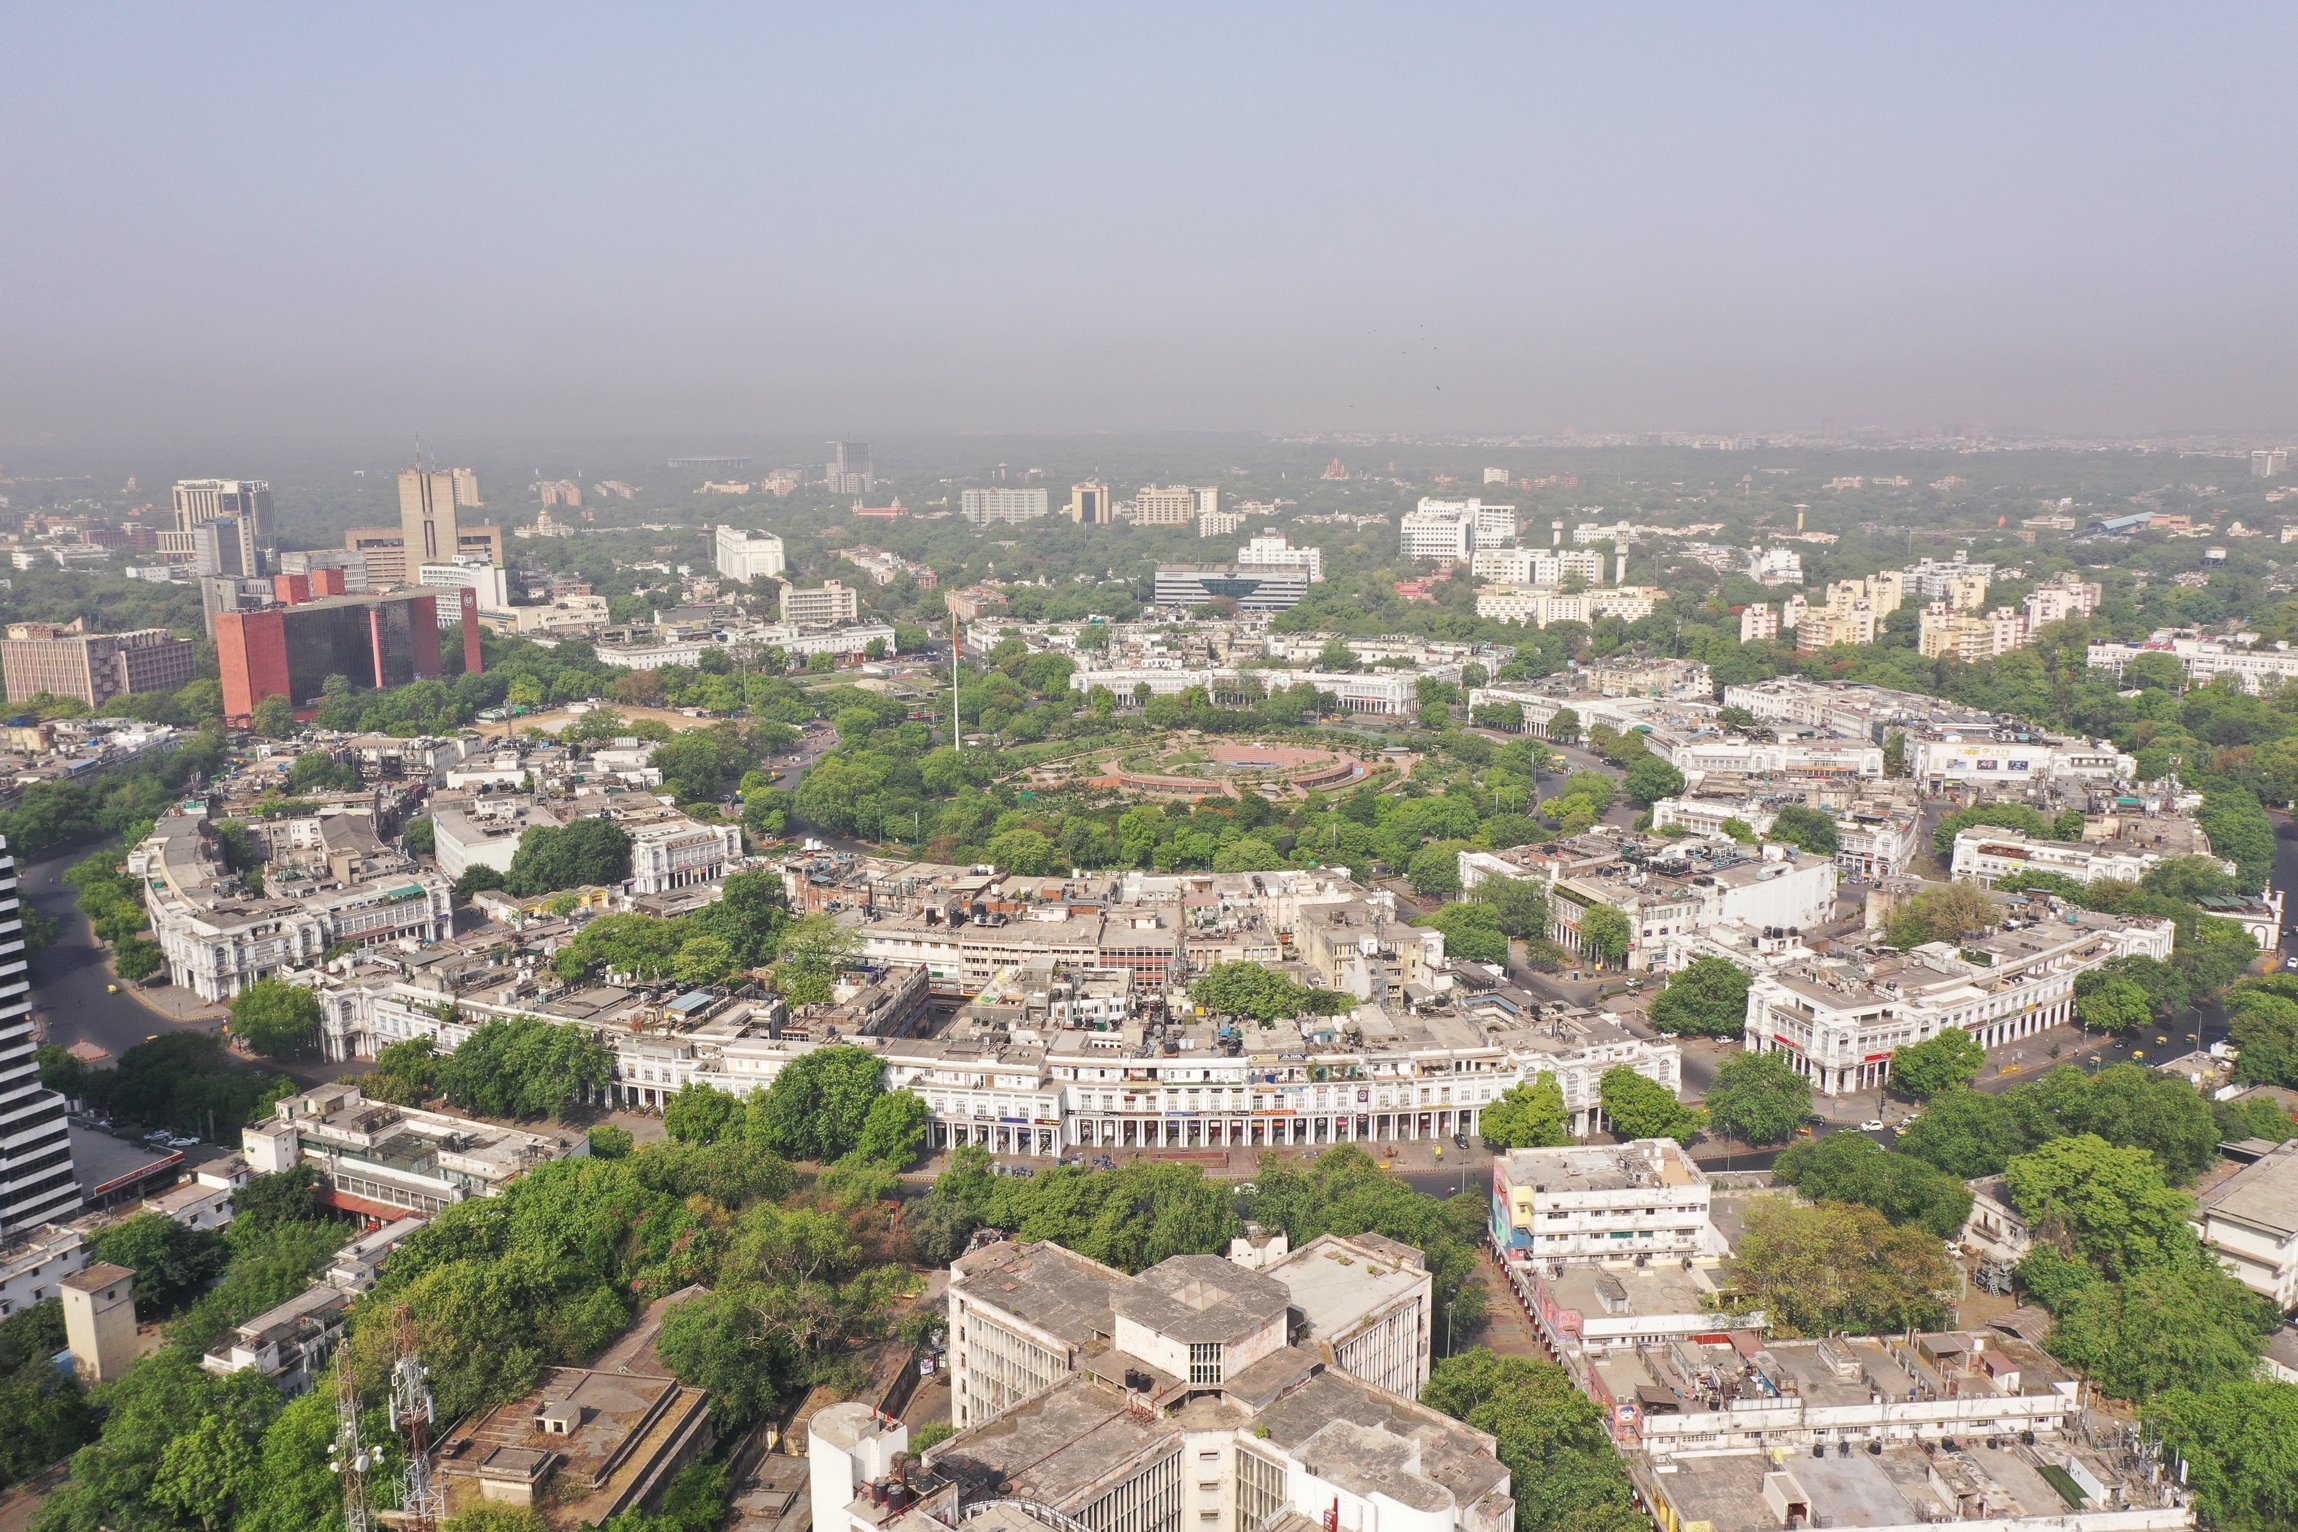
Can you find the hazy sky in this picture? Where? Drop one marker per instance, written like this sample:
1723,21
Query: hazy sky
877,219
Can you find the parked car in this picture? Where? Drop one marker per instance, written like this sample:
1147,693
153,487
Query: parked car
1872,1125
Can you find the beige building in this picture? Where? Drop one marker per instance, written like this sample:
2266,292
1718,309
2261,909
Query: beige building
825,607
1949,633
1156,507
427,516
1090,505
38,657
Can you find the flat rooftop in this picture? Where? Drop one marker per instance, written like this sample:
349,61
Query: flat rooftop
1057,1290
1336,1283
1202,1298
2263,1194
1600,1167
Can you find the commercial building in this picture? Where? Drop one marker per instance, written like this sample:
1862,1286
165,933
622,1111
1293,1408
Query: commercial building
1775,566
1984,853
1213,521
428,531
740,555
1090,505
2008,756
328,880
1255,588
1444,530
93,668
2202,660
1642,1201
1841,1020
1539,606
290,651
1537,566
382,1162
490,585
1155,506
1271,551
1003,507
1687,888
37,1182
823,607
246,502
849,471
381,552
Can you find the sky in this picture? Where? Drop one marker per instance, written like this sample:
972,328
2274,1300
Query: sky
869,219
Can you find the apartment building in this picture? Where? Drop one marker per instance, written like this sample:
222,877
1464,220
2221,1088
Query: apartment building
1775,566
1688,888
1270,550
1155,506
2250,1222
1948,633
1841,1020
1444,530
37,1183
824,607
1538,606
994,506
1959,582
1758,623
2056,600
68,661
2203,660
742,555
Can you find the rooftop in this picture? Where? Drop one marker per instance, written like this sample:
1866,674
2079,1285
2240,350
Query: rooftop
2263,1194
1202,1298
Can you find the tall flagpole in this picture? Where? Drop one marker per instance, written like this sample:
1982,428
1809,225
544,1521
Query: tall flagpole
956,743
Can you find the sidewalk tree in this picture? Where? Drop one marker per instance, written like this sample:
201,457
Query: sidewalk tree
1851,1167
2105,1203
275,1018
1837,1266
1758,1098
1706,998
2106,1002
1564,1473
1641,1107
1605,933
1528,1116
1948,1061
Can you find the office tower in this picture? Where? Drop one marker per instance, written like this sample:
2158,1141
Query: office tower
984,507
37,1182
1438,529
1156,507
740,555
223,547
1089,505
467,488
382,551
39,657
849,472
379,641
427,526
247,501
2266,463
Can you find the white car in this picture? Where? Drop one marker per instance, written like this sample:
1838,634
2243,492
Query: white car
1872,1125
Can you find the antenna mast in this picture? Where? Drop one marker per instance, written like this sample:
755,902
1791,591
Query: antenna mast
345,1455
423,1497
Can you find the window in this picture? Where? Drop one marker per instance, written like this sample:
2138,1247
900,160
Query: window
1204,1362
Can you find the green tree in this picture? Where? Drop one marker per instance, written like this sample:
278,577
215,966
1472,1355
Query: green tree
1649,779
170,1260
2108,1003
1942,912
818,1104
1837,1266
1527,1116
207,1474
1949,1060
811,951
1806,828
1707,997
587,853
1605,934
1471,932
1758,1098
1639,1107
1248,989
275,1018
2239,1442
1851,1167
525,1069
2105,1203
2184,1324
704,960
701,1114
894,1131
275,718
1564,1473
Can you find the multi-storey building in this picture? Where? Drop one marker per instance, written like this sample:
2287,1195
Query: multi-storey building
994,506
741,555
1948,633
429,532
2202,659
1959,582
1090,505
2250,1222
1840,1021
2069,595
850,470
1271,551
2006,756
340,885
1154,506
1758,621
832,603
93,668
1591,1203
1444,530
1255,588
246,502
1538,606
1984,854
382,1162
1215,521
37,1183
1537,566
1688,888
1775,566
380,641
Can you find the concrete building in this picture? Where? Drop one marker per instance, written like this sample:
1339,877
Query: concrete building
483,832
2007,756
1155,506
1775,566
2250,1222
288,1343
1691,887
1444,530
1758,622
380,641
1985,853
2203,660
593,1444
383,1162
92,668
1841,1020
1537,566
1948,633
35,1260
823,607
489,584
741,555
1270,550
1540,606
1644,1201
37,1183
428,530
2069,595
245,501
1090,505
1255,588
100,1321
994,506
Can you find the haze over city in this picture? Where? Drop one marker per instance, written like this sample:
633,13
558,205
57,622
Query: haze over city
283,221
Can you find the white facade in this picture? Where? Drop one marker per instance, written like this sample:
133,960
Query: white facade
1537,566
1789,757
1984,854
1951,760
1775,566
741,555
826,606
1538,607
37,1182
35,1259
1757,622
2250,1222
1438,529
1271,551
2204,660
1003,507
1594,1203
491,582
681,853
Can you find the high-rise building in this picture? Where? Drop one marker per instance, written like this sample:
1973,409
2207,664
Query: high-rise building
247,501
1271,551
986,507
383,551
2268,462
1157,507
39,657
223,547
37,1182
1090,505
1438,529
849,472
467,488
741,555
427,525
379,641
